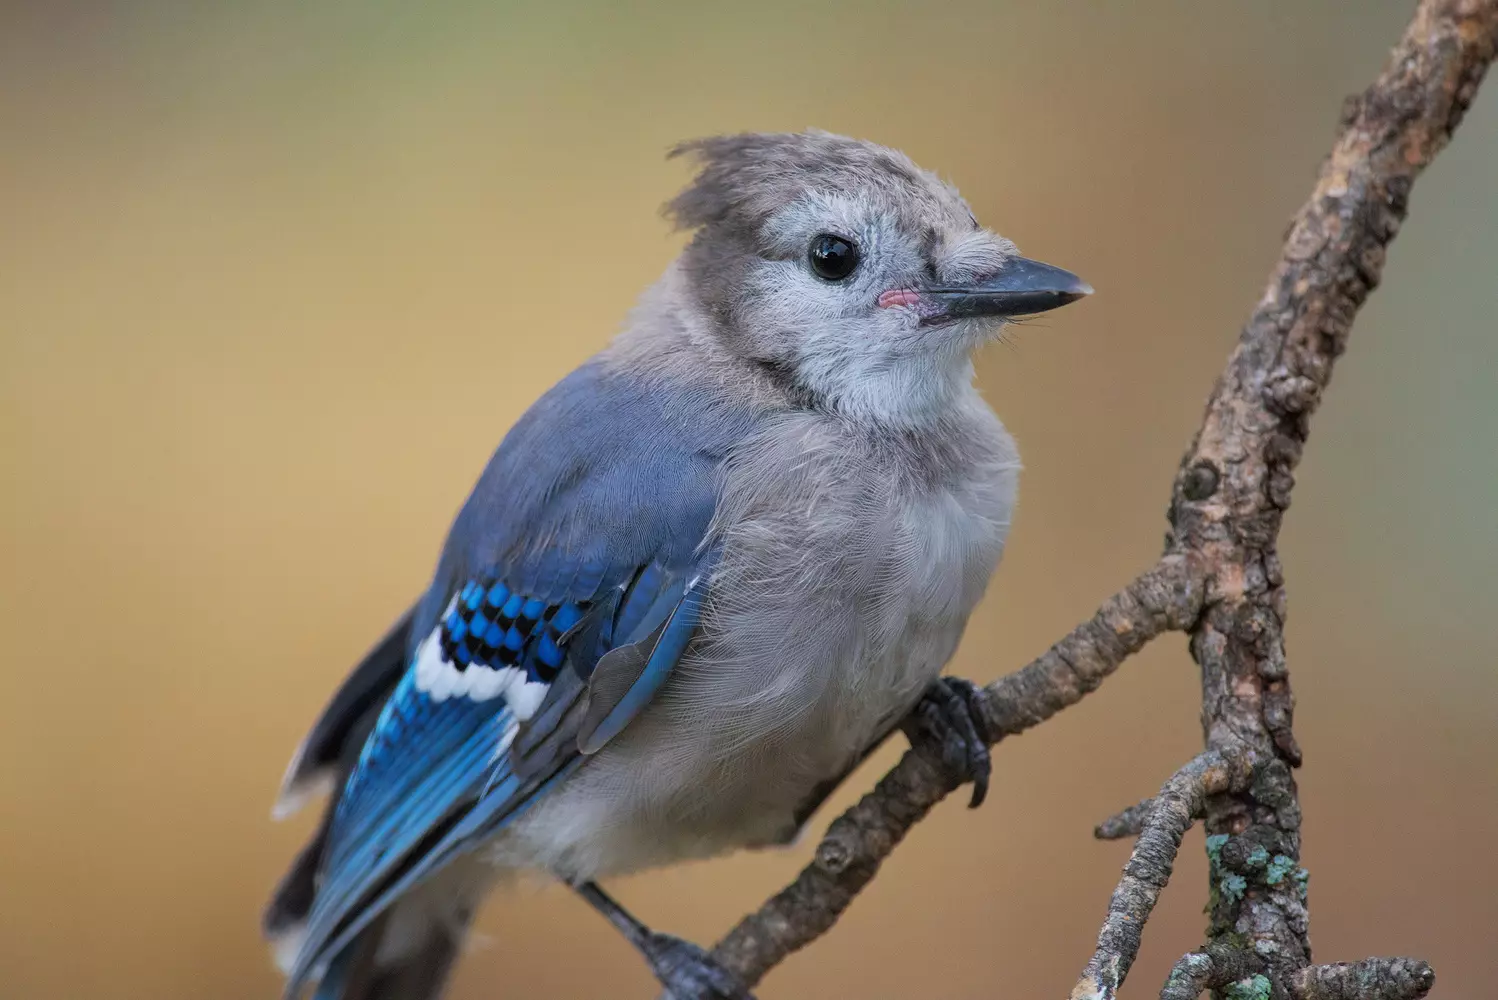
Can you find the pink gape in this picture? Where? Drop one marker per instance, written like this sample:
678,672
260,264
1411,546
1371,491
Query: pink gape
899,297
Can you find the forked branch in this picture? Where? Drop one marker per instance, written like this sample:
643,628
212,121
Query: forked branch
1170,815
1167,597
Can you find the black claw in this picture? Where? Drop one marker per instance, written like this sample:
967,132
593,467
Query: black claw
688,973
947,724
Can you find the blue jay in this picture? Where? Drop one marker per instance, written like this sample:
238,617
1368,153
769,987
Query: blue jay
699,580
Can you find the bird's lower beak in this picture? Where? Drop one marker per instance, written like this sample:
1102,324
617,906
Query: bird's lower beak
1024,287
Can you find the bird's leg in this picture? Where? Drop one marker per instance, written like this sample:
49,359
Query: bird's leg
685,970
947,725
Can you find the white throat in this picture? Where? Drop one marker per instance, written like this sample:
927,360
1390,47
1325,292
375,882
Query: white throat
903,394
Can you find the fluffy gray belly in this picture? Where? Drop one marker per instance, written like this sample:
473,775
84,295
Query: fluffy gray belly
699,775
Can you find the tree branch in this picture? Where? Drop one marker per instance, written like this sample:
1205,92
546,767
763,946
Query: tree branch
1128,823
1166,597
1171,814
1235,481
1241,973
1221,581
1372,979
1190,977
1210,969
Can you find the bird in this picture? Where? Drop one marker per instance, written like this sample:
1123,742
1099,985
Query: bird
698,581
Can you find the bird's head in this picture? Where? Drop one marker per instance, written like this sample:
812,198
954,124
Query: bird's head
840,266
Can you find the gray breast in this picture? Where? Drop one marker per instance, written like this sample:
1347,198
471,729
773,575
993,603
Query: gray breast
850,565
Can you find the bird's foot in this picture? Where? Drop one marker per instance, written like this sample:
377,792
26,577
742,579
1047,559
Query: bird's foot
688,972
947,726
685,970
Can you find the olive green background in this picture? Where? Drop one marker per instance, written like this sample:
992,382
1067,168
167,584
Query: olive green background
275,277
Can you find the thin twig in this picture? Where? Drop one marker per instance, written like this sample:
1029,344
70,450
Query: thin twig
1167,598
1127,823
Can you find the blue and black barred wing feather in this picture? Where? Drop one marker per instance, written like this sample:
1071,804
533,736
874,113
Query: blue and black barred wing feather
567,590
437,776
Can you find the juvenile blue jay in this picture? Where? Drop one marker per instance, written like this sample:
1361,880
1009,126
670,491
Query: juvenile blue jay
698,581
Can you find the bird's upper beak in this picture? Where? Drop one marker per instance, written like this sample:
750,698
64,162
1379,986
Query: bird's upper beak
1024,287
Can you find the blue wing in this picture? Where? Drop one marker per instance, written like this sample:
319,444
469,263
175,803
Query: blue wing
569,588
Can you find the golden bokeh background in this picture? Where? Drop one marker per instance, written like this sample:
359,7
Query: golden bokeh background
276,276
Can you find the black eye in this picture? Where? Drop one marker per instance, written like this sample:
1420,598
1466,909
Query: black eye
832,257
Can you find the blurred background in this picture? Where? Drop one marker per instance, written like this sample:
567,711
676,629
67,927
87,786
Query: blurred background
275,277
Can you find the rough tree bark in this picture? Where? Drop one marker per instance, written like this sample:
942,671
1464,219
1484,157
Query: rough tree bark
1220,581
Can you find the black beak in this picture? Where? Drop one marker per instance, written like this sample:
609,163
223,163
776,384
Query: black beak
1024,287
